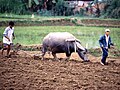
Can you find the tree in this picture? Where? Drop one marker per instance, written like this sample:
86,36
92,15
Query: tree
12,6
112,8
59,7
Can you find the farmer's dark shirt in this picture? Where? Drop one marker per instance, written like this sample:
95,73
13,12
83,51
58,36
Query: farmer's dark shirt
103,43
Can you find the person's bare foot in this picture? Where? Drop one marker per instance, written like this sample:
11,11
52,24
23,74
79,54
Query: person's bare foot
2,54
8,56
102,63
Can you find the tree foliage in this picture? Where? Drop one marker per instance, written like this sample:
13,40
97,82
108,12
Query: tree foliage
12,6
112,8
59,7
55,7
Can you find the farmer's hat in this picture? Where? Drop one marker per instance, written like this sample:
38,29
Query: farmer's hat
107,30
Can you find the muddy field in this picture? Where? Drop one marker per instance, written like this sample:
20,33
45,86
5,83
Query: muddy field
22,72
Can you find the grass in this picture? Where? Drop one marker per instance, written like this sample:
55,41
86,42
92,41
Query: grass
89,36
9,17
13,17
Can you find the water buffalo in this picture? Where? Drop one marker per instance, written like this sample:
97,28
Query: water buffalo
63,42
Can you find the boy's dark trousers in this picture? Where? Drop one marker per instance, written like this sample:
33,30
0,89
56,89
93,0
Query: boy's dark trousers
104,55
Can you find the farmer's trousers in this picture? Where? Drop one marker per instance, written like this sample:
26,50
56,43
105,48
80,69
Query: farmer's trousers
104,55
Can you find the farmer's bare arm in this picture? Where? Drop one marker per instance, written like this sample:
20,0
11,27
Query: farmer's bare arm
13,36
7,38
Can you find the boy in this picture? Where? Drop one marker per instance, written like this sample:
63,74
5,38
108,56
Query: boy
105,42
8,36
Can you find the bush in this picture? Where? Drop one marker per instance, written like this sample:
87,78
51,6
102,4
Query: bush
115,13
112,9
59,8
13,6
45,12
82,12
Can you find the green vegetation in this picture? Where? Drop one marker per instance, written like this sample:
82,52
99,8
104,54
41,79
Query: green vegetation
13,6
9,17
112,9
89,36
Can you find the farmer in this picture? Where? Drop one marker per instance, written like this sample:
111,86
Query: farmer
8,36
105,42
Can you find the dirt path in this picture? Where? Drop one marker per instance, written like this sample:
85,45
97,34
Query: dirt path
25,73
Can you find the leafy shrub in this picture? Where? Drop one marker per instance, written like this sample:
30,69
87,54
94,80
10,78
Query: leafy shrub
82,12
45,12
112,9
13,6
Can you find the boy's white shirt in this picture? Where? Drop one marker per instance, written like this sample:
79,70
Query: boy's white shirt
8,32
107,39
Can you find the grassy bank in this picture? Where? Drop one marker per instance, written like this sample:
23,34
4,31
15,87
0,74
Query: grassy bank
89,36
58,21
4,17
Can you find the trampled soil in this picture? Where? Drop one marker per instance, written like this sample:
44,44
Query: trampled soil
22,72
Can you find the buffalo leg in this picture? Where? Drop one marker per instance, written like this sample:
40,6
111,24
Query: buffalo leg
43,56
43,53
54,55
68,56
